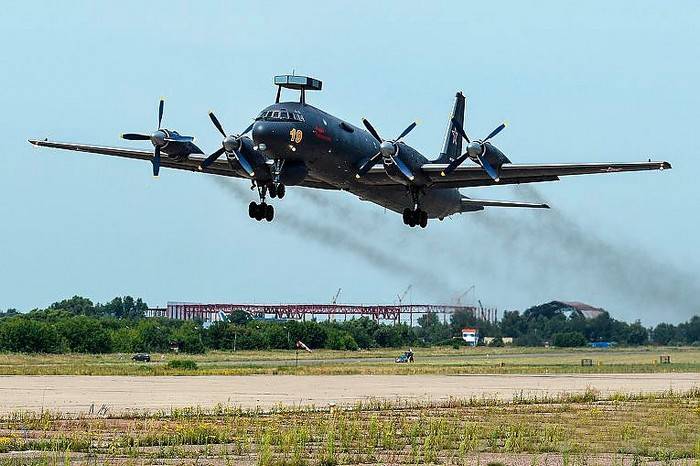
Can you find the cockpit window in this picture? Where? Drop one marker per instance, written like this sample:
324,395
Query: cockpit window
280,115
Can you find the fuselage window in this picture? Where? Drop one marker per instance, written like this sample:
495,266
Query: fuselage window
275,114
284,115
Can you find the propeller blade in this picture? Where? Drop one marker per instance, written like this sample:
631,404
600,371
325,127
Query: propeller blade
156,161
454,164
245,164
247,130
495,131
179,138
209,160
460,130
160,111
136,137
488,168
217,124
371,129
407,130
403,168
372,161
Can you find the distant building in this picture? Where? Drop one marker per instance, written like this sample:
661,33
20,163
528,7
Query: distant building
506,340
584,310
470,335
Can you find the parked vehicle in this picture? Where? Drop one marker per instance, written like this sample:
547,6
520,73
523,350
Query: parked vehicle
405,357
141,357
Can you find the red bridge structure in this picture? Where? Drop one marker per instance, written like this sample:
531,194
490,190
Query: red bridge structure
398,314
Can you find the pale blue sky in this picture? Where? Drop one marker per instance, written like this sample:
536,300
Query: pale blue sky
591,81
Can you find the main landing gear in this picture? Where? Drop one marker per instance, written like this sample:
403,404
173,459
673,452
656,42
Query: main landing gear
415,216
263,210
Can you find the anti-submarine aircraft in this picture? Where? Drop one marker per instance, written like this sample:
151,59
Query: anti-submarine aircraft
296,144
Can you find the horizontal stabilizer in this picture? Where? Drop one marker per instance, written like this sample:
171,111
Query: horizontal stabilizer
469,204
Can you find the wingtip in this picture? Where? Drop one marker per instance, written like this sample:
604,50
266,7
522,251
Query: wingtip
546,206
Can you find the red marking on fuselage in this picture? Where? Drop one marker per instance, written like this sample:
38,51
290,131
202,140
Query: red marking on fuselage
320,133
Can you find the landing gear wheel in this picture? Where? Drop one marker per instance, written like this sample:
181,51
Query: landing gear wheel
423,216
269,213
260,211
252,208
412,219
280,190
406,215
273,191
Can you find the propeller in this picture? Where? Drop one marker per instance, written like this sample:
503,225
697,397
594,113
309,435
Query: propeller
476,150
231,144
158,138
387,149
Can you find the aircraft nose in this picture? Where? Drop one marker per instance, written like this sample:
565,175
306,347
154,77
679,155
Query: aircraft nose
271,137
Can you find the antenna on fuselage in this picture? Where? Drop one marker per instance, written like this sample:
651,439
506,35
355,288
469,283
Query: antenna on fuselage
297,83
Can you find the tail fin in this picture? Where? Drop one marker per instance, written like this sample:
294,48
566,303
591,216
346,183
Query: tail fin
453,142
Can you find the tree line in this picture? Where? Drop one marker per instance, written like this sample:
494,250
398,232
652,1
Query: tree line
78,325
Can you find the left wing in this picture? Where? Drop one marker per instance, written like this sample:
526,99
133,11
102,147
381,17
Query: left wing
191,163
473,175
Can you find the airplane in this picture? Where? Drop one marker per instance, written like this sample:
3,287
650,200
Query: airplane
293,143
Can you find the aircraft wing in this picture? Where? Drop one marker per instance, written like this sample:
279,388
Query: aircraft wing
472,175
218,167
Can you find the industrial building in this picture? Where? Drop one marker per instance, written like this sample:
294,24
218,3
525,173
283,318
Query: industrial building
397,314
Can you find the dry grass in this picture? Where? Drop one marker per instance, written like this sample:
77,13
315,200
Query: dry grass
380,361
568,429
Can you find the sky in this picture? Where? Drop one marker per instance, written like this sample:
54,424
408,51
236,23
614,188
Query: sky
577,82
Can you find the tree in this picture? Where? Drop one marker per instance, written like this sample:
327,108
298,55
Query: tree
76,305
24,335
84,335
569,339
638,335
664,333
189,336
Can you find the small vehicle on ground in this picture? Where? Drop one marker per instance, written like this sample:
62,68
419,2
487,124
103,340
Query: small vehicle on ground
405,357
141,357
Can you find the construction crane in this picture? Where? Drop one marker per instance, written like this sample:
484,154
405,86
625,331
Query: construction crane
458,301
335,298
402,296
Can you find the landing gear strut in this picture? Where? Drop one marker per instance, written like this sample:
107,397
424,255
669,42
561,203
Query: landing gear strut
277,189
262,210
415,216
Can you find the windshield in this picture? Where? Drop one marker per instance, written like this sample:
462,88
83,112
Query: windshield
280,115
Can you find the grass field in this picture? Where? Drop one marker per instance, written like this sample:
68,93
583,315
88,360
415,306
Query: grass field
379,361
583,429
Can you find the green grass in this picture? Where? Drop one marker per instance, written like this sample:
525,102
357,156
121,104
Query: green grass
380,361
633,429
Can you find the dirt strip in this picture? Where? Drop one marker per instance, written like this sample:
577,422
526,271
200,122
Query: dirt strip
76,394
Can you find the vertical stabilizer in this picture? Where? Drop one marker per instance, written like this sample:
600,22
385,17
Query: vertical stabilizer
453,142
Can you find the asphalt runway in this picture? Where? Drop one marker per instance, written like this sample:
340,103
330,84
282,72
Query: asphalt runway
75,394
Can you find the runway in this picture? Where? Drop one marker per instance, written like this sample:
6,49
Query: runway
75,394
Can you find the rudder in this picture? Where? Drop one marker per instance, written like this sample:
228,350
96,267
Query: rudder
453,142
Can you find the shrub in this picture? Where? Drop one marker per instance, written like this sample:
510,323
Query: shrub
184,364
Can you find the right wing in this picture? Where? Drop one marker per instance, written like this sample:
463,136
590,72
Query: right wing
191,163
